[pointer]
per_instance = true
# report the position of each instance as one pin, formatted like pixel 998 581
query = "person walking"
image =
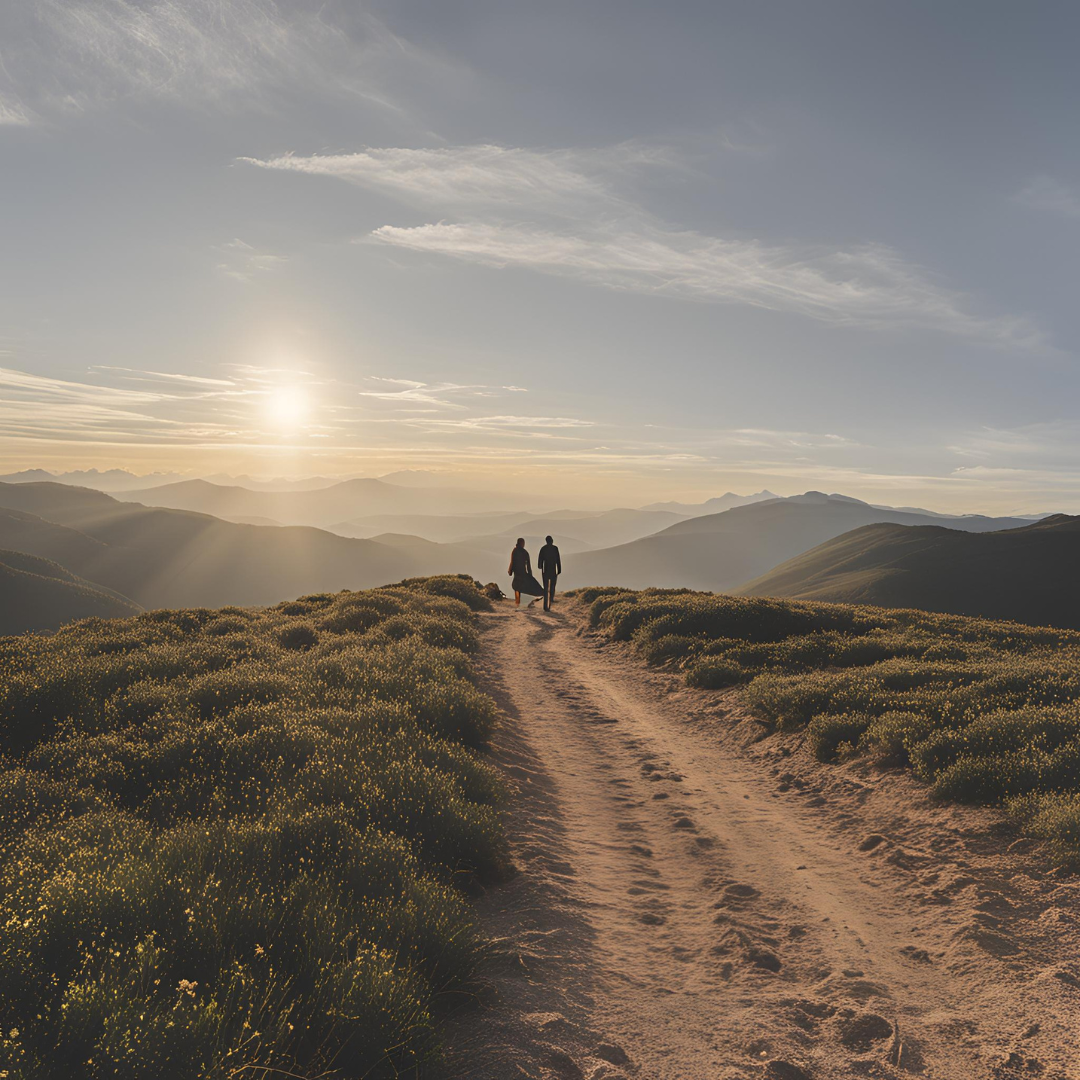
pixel 521 570
pixel 550 566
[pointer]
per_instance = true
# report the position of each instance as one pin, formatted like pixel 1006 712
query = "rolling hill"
pixel 1027 574
pixel 719 552
pixel 37 594
pixel 171 558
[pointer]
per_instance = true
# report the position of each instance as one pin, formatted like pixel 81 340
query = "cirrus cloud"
pixel 565 212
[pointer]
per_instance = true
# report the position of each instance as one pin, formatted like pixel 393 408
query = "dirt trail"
pixel 699 899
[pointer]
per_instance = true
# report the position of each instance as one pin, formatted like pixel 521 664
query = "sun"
pixel 286 407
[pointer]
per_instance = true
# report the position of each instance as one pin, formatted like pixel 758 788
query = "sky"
pixel 620 250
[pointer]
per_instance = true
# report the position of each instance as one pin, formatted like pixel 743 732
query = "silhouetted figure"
pixel 550 566
pixel 521 569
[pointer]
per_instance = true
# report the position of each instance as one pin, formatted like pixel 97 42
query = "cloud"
pixel 869 287
pixel 532 426
pixel 1046 193
pixel 562 182
pixel 243 262
pixel 564 212
pixel 65 58
pixel 409 392
pixel 129 406
pixel 12 113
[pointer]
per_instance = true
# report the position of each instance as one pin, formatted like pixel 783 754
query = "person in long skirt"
pixel 521 571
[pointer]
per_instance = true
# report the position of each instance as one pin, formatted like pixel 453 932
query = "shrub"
pixel 713 674
pixel 668 647
pixel 298 636
pixel 229 843
pixel 460 587
pixel 828 735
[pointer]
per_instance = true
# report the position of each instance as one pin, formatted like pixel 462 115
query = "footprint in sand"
pixel 739 891
pixel 920 956
pixel 874 840
pixel 784 1070
pixel 763 959
pixel 863 1030
pixel 611 1053
pixel 684 823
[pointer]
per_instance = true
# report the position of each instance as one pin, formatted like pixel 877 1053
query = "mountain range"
pixel 719 552
pixel 1026 574
pixel 99 553
pixel 173 558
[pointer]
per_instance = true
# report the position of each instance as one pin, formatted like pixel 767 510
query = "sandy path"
pixel 699 901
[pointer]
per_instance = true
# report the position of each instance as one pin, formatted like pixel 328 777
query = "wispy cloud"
pixel 870 287
pixel 564 212
pixel 561 182
pixel 123 405
pixel 12 113
pixel 58 57
pixel 409 392
pixel 244 262
pixel 1046 193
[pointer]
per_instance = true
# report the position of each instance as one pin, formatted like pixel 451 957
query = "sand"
pixel 697 898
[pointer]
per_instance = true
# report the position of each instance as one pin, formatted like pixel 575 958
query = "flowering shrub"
pixel 984 711
pixel 231 842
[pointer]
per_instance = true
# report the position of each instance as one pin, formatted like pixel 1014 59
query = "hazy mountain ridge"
pixel 171 558
pixel 728 501
pixel 1026 574
pixel 719 552
pixel 321 507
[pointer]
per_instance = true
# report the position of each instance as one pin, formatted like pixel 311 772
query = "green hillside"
pixel 1027 574
pixel 232 841
pixel 36 594
pixel 983 711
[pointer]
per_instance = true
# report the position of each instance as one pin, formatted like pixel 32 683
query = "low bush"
pixel 983 711
pixel 231 842
pixel 830 734
pixel 713 674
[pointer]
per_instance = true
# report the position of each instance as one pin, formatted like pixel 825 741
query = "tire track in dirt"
pixel 702 913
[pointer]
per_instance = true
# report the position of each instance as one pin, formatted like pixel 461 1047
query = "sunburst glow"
pixel 287 407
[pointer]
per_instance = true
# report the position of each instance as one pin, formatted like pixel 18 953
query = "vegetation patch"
pixel 984 711
pixel 232 842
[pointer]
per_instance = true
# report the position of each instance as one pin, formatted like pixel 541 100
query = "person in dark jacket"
pixel 521 569
pixel 550 566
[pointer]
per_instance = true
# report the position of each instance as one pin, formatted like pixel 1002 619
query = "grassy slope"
pixel 983 711
pixel 36 594
pixel 230 840
pixel 1026 574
